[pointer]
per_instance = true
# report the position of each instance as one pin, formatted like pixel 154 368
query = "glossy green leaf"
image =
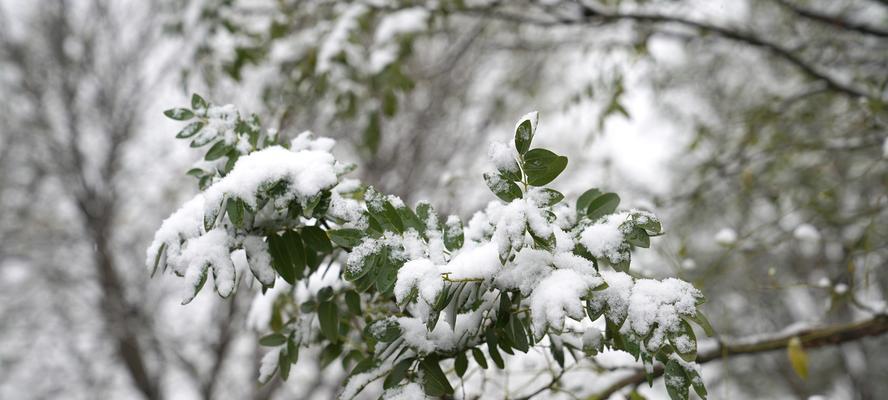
pixel 602 205
pixel 677 382
pixel 198 103
pixel 503 188
pixel 479 357
pixel 542 166
pixel 346 237
pixel 179 114
pixel 315 238
pixel 190 130
pixel 328 316
pixel 460 364
pixel 397 374
pixel 434 380
pixel 274 339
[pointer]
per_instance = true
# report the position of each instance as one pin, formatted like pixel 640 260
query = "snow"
pixel 806 233
pixel 559 295
pixel 604 239
pixel 533 117
pixel 726 237
pixel 503 157
pixel 307 173
pixel 210 249
pixel 885 148
pixel 410 391
pixel 307 141
pixel 476 263
pixel 659 306
pixel 616 296
pixel 184 224
pixel 269 364
pixel 399 23
pixel 841 288
pixel 259 259
pixel 422 275
pixel 525 272
pixel 357 382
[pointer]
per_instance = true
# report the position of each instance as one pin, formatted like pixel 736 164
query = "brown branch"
pixel 811 338
pixel 599 17
pixel 833 20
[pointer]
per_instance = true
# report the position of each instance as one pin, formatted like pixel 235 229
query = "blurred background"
pixel 756 129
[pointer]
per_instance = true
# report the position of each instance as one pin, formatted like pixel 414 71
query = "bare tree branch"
pixel 833 20
pixel 811 338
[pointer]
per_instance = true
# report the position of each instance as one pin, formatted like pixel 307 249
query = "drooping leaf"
pixel 798 358
pixel 328 316
pixel 479 357
pixel 676 380
pixel 346 237
pixel 434 380
pixel 460 364
pixel 397 374
pixel 315 238
pixel 503 188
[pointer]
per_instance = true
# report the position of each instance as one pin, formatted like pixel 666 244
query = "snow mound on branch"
pixel 307 173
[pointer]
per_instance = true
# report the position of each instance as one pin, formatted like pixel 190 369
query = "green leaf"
pixel 385 331
pixel 280 258
pixel 316 239
pixel 190 130
pixel 798 358
pixel 685 342
pixel 639 237
pixel 198 103
pixel 292 350
pixel 330 353
pixel 328 316
pixel 325 293
pixel 353 301
pixel 179 114
pixel 346 237
pixel 602 205
pixel 216 151
pixel 235 209
pixel 503 188
pixel 479 357
pixel 397 374
pixel 293 245
pixel 453 233
pixel 676 380
pixel 493 352
pixel 274 339
pixel 386 276
pixel 434 381
pixel 363 366
pixel 389 103
pixel 586 198
pixel 524 132
pixel 701 320
pixel 517 335
pixel 372 133
pixel 283 365
pixel 460 364
pixel 543 166
pixel 553 197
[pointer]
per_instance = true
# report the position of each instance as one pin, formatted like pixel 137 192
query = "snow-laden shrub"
pixel 417 288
